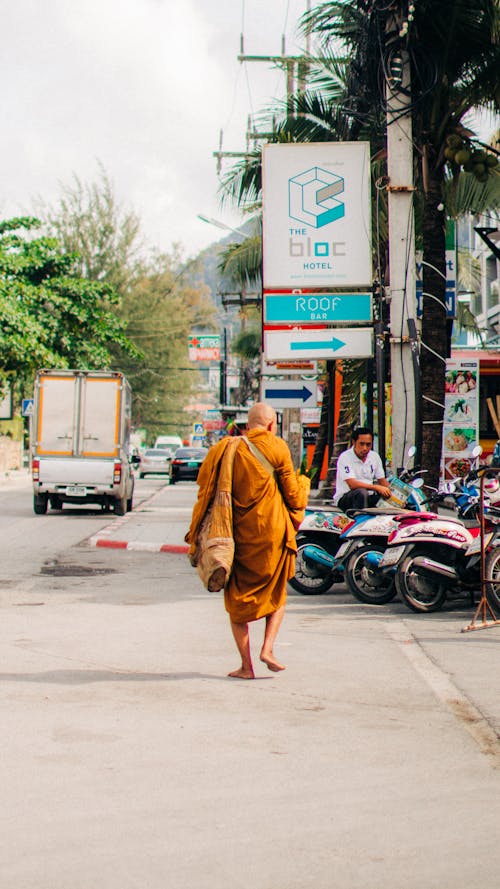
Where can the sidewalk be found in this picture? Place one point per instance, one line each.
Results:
(14, 476)
(153, 526)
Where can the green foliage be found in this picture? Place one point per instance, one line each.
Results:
(88, 222)
(310, 471)
(156, 305)
(241, 263)
(248, 346)
(49, 315)
(161, 311)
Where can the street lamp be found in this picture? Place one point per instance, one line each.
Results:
(222, 225)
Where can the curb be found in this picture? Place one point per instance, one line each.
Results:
(139, 545)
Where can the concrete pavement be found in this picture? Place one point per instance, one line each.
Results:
(157, 524)
(130, 761)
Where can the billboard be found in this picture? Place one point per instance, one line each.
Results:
(204, 347)
(461, 416)
(316, 215)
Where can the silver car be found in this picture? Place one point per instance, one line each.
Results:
(155, 461)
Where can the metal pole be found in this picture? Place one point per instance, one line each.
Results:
(380, 375)
(223, 370)
(331, 366)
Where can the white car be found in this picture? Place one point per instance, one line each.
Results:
(155, 461)
(169, 441)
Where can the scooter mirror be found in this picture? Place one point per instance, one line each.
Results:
(411, 451)
(477, 451)
(417, 483)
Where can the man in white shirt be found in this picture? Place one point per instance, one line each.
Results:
(360, 475)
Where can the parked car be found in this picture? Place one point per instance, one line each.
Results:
(186, 463)
(155, 461)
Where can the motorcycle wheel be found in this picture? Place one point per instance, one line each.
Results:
(422, 590)
(492, 570)
(309, 580)
(365, 583)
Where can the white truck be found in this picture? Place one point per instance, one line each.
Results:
(80, 433)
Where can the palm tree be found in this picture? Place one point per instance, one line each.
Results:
(454, 51)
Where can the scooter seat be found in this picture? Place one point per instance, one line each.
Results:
(380, 510)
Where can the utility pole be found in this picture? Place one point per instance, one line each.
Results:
(401, 243)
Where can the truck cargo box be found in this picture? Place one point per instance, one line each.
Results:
(80, 436)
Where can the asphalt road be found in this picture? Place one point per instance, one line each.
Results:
(129, 759)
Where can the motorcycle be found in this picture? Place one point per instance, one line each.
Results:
(320, 537)
(320, 531)
(433, 558)
(365, 540)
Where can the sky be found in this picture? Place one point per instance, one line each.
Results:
(143, 88)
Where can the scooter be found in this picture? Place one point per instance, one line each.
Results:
(319, 534)
(319, 537)
(433, 558)
(365, 540)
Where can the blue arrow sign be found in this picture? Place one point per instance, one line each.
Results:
(328, 342)
(303, 394)
(332, 344)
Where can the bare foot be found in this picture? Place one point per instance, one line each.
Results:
(271, 663)
(242, 674)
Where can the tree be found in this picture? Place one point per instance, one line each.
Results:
(158, 303)
(50, 315)
(89, 222)
(453, 50)
(162, 310)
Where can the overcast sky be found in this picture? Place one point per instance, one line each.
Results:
(143, 87)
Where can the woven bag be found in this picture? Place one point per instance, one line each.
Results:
(214, 553)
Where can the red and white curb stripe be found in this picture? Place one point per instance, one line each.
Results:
(140, 545)
(104, 538)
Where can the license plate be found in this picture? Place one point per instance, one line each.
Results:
(193, 464)
(391, 556)
(76, 491)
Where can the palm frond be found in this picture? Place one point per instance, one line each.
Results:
(466, 195)
(243, 183)
(241, 264)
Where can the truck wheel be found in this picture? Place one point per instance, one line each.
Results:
(40, 502)
(130, 500)
(120, 506)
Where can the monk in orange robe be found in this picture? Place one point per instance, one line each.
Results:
(263, 531)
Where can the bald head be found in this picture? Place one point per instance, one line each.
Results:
(262, 414)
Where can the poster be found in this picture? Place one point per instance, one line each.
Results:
(461, 416)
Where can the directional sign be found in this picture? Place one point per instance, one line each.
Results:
(330, 343)
(314, 308)
(289, 393)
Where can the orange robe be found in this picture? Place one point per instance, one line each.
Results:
(264, 534)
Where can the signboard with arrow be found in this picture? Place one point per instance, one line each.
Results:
(289, 393)
(329, 343)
